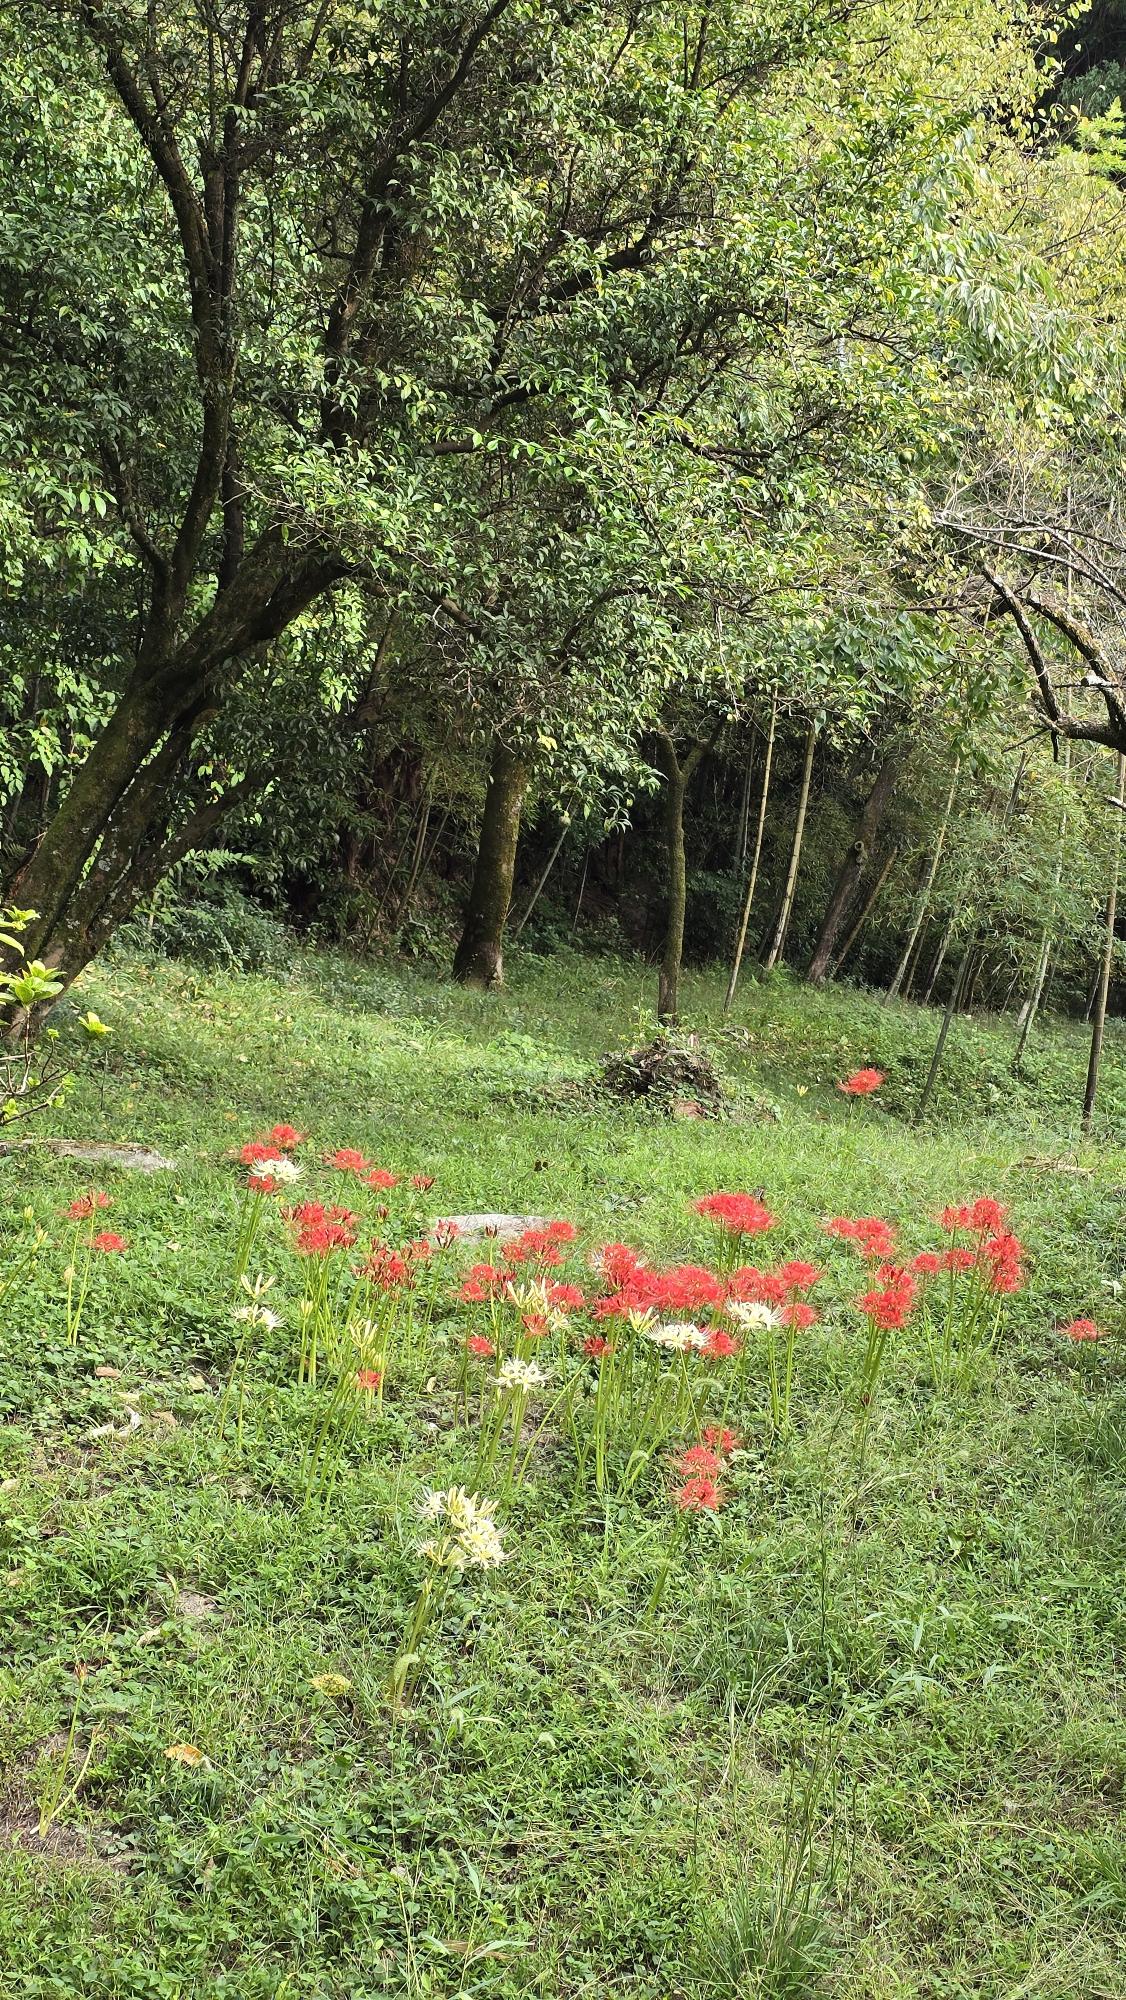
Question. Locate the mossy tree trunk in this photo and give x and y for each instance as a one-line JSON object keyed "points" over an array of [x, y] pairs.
{"points": [[479, 960], [678, 775]]}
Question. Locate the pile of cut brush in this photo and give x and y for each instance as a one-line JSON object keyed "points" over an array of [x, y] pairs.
{"points": [[677, 1077]]}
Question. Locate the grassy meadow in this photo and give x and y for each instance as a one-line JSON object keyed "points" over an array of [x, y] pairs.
{"points": [[857, 1733]]}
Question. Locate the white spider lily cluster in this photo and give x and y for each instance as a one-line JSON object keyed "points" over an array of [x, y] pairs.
{"points": [[750, 1313], [470, 1538], [256, 1314], [521, 1375], [284, 1172], [681, 1336]]}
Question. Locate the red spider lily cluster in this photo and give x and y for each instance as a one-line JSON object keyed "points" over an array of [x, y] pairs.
{"points": [[889, 1301], [318, 1230], [110, 1243], [537, 1250], [872, 1236], [1083, 1329], [86, 1205], [700, 1469], [862, 1083], [738, 1214]]}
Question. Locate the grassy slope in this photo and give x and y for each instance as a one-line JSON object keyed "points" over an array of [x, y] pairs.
{"points": [[931, 1687]]}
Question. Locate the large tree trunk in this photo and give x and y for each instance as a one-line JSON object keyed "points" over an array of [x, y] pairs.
{"points": [[846, 888], [777, 942], [479, 960], [97, 854]]}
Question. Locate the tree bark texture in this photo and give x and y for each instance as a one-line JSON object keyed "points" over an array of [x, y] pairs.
{"points": [[479, 960]]}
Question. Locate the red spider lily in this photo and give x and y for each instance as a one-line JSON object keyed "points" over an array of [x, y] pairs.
{"points": [[386, 1268], [262, 1184], [561, 1232], [534, 1246], [446, 1233], [369, 1378], [755, 1287], [698, 1459], [927, 1264], [86, 1204], [687, 1286], [798, 1276], [287, 1137], [476, 1343], [889, 1302], [418, 1250], [1083, 1329], [620, 1265], [699, 1495], [721, 1440], [597, 1345], [957, 1217], [423, 1182], [720, 1345], [1002, 1255], [872, 1236], [258, 1151], [958, 1258], [485, 1281], [534, 1325], [739, 1214], [568, 1298], [798, 1313], [381, 1178], [109, 1243], [981, 1216], [862, 1082], [987, 1215], [347, 1160], [320, 1239]]}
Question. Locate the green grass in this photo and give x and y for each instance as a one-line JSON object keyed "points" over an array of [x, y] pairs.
{"points": [[871, 1744]]}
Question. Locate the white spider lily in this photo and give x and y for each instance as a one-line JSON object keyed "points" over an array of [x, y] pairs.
{"points": [[522, 1375], [750, 1313], [681, 1336]]}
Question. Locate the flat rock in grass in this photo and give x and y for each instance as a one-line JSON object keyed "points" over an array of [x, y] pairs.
{"points": [[497, 1228], [98, 1152], [195, 1604]]}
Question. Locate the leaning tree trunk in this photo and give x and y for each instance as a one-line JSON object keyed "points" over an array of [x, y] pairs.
{"points": [[925, 892], [846, 888], [1099, 1021], [777, 942], [867, 907], [479, 960], [105, 845], [752, 880]]}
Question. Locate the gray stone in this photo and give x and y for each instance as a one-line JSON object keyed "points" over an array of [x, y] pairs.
{"points": [[98, 1152], [496, 1228]]}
